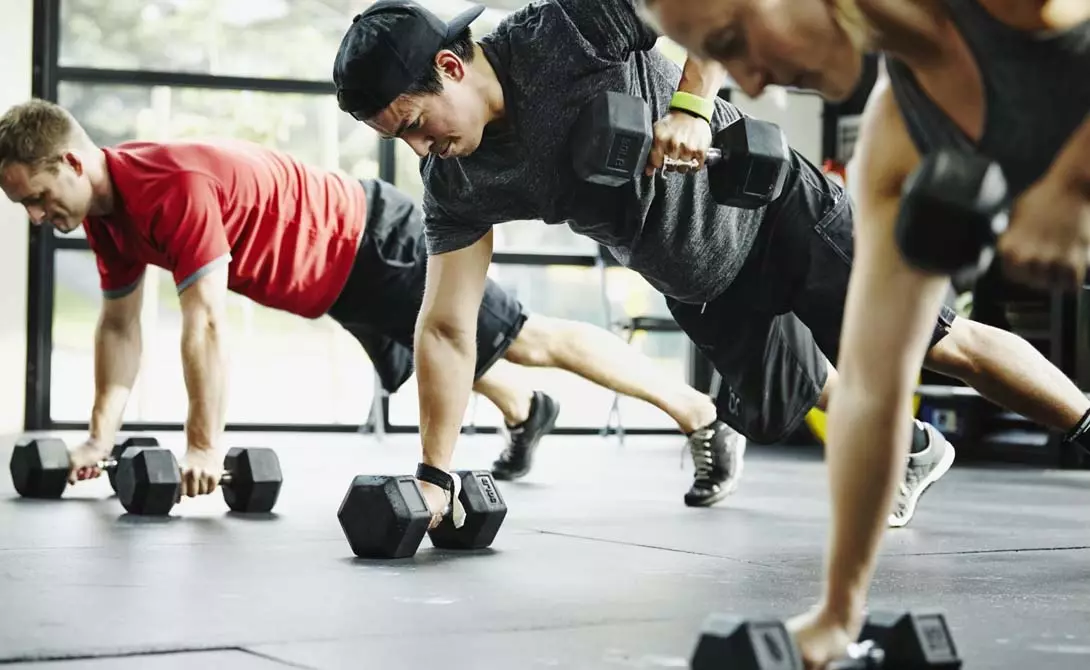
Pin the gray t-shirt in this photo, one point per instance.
(552, 57)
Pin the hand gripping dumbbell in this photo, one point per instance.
(612, 137)
(386, 516)
(39, 467)
(888, 641)
(149, 481)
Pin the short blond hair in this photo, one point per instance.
(36, 133)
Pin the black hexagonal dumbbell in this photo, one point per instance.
(149, 480)
(39, 466)
(251, 479)
(890, 641)
(612, 138)
(119, 448)
(485, 512)
(386, 516)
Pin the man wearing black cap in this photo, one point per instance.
(761, 292)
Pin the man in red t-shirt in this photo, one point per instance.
(236, 216)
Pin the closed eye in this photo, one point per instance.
(727, 43)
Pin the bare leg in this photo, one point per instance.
(1010, 372)
(505, 388)
(605, 359)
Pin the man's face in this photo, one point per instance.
(766, 42)
(447, 124)
(59, 194)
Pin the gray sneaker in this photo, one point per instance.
(924, 469)
(718, 456)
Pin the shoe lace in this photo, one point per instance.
(515, 442)
(703, 455)
(905, 486)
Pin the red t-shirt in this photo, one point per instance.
(288, 232)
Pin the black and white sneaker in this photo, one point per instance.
(516, 459)
(924, 468)
(718, 452)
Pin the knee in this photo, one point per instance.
(535, 345)
(958, 354)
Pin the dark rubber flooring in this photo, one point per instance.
(599, 565)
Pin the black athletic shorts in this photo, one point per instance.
(770, 333)
(381, 299)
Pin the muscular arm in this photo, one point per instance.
(117, 360)
(204, 357)
(889, 318)
(446, 345)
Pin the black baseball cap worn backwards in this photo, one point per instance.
(378, 61)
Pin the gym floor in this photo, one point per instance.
(598, 565)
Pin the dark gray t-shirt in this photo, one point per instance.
(552, 57)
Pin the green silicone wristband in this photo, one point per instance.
(694, 104)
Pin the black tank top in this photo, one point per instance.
(1036, 93)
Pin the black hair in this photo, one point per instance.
(431, 84)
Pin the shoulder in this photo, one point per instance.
(911, 30)
(533, 26)
(884, 155)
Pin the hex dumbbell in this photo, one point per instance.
(40, 466)
(888, 641)
(386, 516)
(149, 481)
(953, 209)
(612, 136)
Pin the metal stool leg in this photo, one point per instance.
(377, 419)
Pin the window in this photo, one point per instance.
(575, 293)
(274, 39)
(284, 369)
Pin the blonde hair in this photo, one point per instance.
(852, 21)
(37, 133)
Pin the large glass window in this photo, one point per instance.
(273, 39)
(284, 369)
(576, 293)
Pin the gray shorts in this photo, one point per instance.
(381, 300)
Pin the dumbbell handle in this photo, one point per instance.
(861, 656)
(225, 478)
(714, 155)
(106, 464)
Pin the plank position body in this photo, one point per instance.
(236, 216)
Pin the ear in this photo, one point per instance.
(75, 162)
(450, 65)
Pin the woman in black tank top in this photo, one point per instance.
(1009, 81)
